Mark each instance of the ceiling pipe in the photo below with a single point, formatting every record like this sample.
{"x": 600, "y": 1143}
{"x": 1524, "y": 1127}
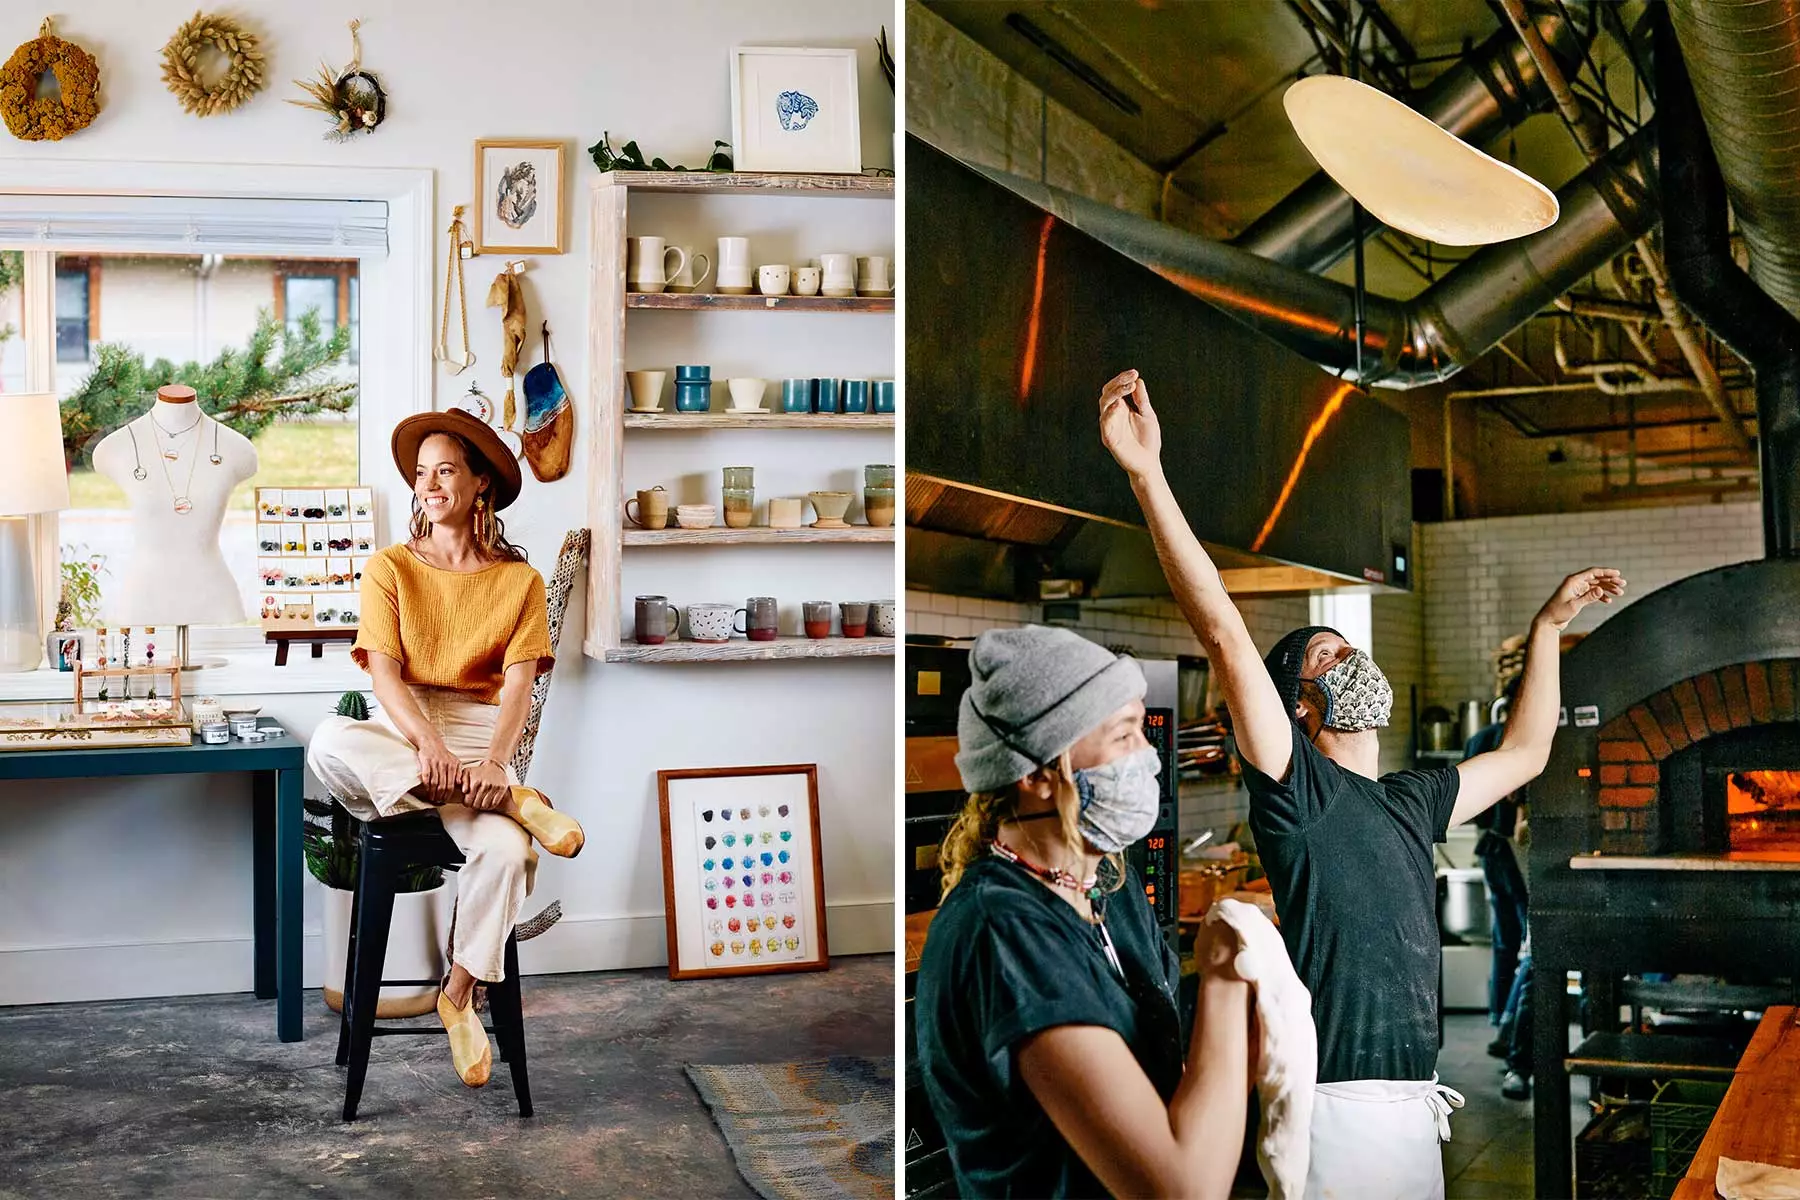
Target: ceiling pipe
{"x": 1607, "y": 310}
{"x": 1682, "y": 329}
{"x": 1410, "y": 343}
{"x": 1493, "y": 89}
{"x": 1740, "y": 313}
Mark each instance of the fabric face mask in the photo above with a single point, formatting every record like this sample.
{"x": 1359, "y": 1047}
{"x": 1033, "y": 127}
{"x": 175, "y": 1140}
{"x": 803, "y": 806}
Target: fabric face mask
{"x": 1357, "y": 695}
{"x": 1119, "y": 800}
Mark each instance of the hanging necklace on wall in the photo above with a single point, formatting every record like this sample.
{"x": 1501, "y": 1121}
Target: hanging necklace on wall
{"x": 453, "y": 278}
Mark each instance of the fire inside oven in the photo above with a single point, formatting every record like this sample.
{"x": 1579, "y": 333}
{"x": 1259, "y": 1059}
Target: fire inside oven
{"x": 1762, "y": 812}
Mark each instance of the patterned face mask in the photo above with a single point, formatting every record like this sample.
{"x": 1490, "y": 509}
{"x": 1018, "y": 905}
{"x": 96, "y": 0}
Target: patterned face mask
{"x": 1119, "y": 800}
{"x": 1357, "y": 695}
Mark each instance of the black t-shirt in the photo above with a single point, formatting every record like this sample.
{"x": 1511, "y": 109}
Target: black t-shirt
{"x": 1005, "y": 958}
{"x": 1349, "y": 860}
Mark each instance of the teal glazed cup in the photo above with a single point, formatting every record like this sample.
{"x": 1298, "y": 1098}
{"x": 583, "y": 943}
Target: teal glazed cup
{"x": 693, "y": 395}
{"x": 796, "y": 395}
{"x": 693, "y": 372}
{"x": 856, "y": 395}
{"x": 826, "y": 398}
{"x": 884, "y": 395}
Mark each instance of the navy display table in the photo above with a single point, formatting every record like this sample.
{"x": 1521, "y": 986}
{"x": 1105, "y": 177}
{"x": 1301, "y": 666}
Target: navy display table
{"x": 275, "y": 768}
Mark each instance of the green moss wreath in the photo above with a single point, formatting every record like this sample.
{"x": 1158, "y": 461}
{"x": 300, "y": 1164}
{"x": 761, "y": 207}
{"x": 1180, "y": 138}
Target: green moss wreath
{"x": 35, "y": 118}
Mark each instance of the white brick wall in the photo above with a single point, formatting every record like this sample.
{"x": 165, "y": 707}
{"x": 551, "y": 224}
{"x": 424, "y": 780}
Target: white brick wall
{"x": 1483, "y": 580}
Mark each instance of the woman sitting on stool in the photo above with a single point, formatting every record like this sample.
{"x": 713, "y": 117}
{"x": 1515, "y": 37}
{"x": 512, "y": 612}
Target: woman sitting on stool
{"x": 454, "y": 630}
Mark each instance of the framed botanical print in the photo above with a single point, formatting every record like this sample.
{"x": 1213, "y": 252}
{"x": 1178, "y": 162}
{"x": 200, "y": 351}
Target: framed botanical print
{"x": 743, "y": 877}
{"x": 795, "y": 110}
{"x": 519, "y": 187}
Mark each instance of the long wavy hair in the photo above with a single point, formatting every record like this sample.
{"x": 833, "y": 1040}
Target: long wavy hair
{"x": 982, "y": 813}
{"x": 489, "y": 529}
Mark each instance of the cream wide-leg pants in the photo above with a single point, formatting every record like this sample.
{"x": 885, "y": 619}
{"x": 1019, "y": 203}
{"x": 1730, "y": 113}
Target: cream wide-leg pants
{"x": 373, "y": 769}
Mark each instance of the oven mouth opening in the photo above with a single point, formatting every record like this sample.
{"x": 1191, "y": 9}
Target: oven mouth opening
{"x": 1762, "y": 813}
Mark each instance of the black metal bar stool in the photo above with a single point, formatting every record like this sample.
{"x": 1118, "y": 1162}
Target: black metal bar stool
{"x": 389, "y": 847}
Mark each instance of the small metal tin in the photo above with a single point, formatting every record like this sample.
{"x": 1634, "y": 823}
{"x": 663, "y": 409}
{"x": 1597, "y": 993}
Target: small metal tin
{"x": 243, "y": 727}
{"x": 273, "y": 731}
{"x": 215, "y": 733}
{"x": 255, "y": 735}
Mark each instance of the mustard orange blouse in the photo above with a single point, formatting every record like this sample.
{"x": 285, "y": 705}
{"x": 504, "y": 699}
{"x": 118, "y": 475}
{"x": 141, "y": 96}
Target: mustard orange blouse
{"x": 453, "y": 629}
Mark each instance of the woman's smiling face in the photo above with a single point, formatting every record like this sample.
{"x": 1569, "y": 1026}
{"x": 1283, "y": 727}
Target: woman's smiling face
{"x": 443, "y": 483}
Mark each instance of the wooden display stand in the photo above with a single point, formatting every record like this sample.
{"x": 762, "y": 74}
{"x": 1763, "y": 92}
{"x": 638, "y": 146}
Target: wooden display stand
{"x": 83, "y": 671}
{"x": 282, "y": 634}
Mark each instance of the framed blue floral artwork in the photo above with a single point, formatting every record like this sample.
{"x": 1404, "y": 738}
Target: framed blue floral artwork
{"x": 795, "y": 110}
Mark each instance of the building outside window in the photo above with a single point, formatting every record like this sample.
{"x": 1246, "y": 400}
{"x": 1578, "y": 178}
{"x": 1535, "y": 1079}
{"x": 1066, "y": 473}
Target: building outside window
{"x": 74, "y": 311}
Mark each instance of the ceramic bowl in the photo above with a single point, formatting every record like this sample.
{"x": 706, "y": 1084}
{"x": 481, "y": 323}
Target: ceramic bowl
{"x": 831, "y": 507}
{"x": 695, "y": 516}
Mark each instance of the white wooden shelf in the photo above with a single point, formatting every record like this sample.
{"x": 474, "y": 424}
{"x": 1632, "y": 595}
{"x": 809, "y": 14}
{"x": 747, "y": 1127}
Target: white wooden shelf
{"x": 756, "y": 535}
{"x": 745, "y": 650}
{"x": 748, "y": 183}
{"x": 718, "y": 302}
{"x": 726, "y": 419}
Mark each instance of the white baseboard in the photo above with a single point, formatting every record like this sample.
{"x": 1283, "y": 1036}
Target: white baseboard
{"x": 204, "y": 966}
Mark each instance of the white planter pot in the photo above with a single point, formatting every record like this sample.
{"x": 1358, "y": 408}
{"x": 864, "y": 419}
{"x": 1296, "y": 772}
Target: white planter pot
{"x": 415, "y": 950}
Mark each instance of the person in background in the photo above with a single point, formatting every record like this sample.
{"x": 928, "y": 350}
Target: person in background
{"x": 1500, "y": 868}
{"x": 1048, "y": 1033}
{"x": 1348, "y": 851}
{"x": 1515, "y": 1030}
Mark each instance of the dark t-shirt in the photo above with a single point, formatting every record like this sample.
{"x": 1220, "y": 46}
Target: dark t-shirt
{"x": 1349, "y": 860}
{"x": 1005, "y": 958}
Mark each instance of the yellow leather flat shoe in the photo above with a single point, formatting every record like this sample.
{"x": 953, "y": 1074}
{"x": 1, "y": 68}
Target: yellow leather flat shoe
{"x": 558, "y": 833}
{"x": 469, "y": 1048}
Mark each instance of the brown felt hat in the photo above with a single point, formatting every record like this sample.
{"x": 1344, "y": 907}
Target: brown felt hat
{"x": 410, "y": 433}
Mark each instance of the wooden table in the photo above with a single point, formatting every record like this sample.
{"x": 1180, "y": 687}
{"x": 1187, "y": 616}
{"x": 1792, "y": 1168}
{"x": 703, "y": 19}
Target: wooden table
{"x": 283, "y": 636}
{"x": 1760, "y": 1118}
{"x": 277, "y": 857}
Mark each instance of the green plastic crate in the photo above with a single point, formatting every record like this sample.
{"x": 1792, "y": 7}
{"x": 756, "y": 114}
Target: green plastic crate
{"x": 1681, "y": 1111}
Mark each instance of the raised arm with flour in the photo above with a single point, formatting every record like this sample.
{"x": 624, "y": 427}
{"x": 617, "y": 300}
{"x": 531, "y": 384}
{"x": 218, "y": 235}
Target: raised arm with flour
{"x": 1348, "y": 851}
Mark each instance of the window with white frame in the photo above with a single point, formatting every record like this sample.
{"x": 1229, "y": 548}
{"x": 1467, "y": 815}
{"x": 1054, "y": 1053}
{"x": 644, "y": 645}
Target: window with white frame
{"x": 248, "y": 301}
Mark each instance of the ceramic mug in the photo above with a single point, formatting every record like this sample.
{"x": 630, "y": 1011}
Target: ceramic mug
{"x": 796, "y": 395}
{"x": 653, "y": 508}
{"x": 710, "y": 622}
{"x": 881, "y": 618}
{"x": 856, "y": 395}
{"x": 837, "y": 274}
{"x": 694, "y": 270}
{"x": 883, "y": 391}
{"x": 872, "y": 277}
{"x": 747, "y": 394}
{"x": 692, "y": 371}
{"x": 656, "y": 618}
{"x": 806, "y": 281}
{"x": 693, "y": 395}
{"x": 647, "y": 263}
{"x": 760, "y": 619}
{"x": 856, "y": 618}
{"x": 733, "y": 266}
{"x": 816, "y": 615}
{"x": 825, "y": 395}
{"x": 646, "y": 389}
{"x": 773, "y": 280}
{"x": 785, "y": 512}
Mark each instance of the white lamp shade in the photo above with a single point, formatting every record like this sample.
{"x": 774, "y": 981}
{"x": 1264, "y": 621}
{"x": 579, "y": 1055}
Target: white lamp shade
{"x": 1409, "y": 173}
{"x": 32, "y": 476}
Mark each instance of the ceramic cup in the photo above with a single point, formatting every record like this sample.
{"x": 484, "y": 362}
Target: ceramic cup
{"x": 856, "y": 618}
{"x": 773, "y": 280}
{"x": 733, "y": 266}
{"x": 747, "y": 394}
{"x": 878, "y": 494}
{"x": 826, "y": 395}
{"x": 872, "y": 276}
{"x": 695, "y": 516}
{"x": 693, "y": 395}
{"x": 785, "y": 512}
{"x": 695, "y": 267}
{"x": 856, "y": 395}
{"x": 647, "y": 266}
{"x": 881, "y": 618}
{"x": 817, "y": 618}
{"x": 646, "y": 389}
{"x": 656, "y": 620}
{"x": 652, "y": 509}
{"x": 830, "y": 507}
{"x": 760, "y": 619}
{"x": 806, "y": 281}
{"x": 796, "y": 395}
{"x": 710, "y": 622}
{"x": 740, "y": 496}
{"x": 883, "y": 395}
{"x": 837, "y": 274}
{"x": 692, "y": 371}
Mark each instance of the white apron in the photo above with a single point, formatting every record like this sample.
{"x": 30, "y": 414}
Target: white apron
{"x": 1377, "y": 1139}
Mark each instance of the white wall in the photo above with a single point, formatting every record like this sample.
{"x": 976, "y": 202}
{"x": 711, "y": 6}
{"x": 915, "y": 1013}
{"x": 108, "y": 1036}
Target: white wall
{"x": 1484, "y": 580}
{"x": 143, "y": 889}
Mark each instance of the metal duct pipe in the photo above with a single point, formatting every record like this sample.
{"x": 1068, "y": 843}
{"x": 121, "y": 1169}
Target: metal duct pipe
{"x": 1697, "y": 247}
{"x": 1405, "y": 343}
{"x": 1493, "y": 89}
{"x": 1744, "y": 62}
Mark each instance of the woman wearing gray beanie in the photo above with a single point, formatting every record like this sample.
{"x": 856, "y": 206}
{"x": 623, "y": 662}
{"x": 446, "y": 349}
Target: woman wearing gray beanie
{"x": 1048, "y": 1034}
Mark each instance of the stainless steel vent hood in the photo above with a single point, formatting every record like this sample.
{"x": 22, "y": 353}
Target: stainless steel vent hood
{"x": 1296, "y": 480}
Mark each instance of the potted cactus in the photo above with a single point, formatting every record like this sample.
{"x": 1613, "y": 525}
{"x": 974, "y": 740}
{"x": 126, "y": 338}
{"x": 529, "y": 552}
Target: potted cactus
{"x": 421, "y": 922}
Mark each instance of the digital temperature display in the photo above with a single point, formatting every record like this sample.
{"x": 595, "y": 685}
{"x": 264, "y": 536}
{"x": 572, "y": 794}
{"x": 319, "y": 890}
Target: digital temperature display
{"x": 1154, "y": 857}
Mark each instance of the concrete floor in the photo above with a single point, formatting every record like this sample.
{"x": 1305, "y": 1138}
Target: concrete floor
{"x": 193, "y": 1096}
{"x": 1490, "y": 1152}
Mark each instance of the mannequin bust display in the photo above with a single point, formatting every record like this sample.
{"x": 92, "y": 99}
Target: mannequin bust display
{"x": 177, "y": 467}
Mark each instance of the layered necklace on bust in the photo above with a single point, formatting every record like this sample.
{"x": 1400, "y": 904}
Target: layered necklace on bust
{"x": 171, "y": 452}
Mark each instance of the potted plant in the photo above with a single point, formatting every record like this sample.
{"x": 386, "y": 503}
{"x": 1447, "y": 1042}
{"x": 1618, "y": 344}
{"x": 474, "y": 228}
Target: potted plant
{"x": 420, "y": 926}
{"x": 78, "y": 605}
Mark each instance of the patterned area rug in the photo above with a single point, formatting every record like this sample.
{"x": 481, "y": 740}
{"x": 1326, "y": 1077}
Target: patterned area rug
{"x": 819, "y": 1130}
